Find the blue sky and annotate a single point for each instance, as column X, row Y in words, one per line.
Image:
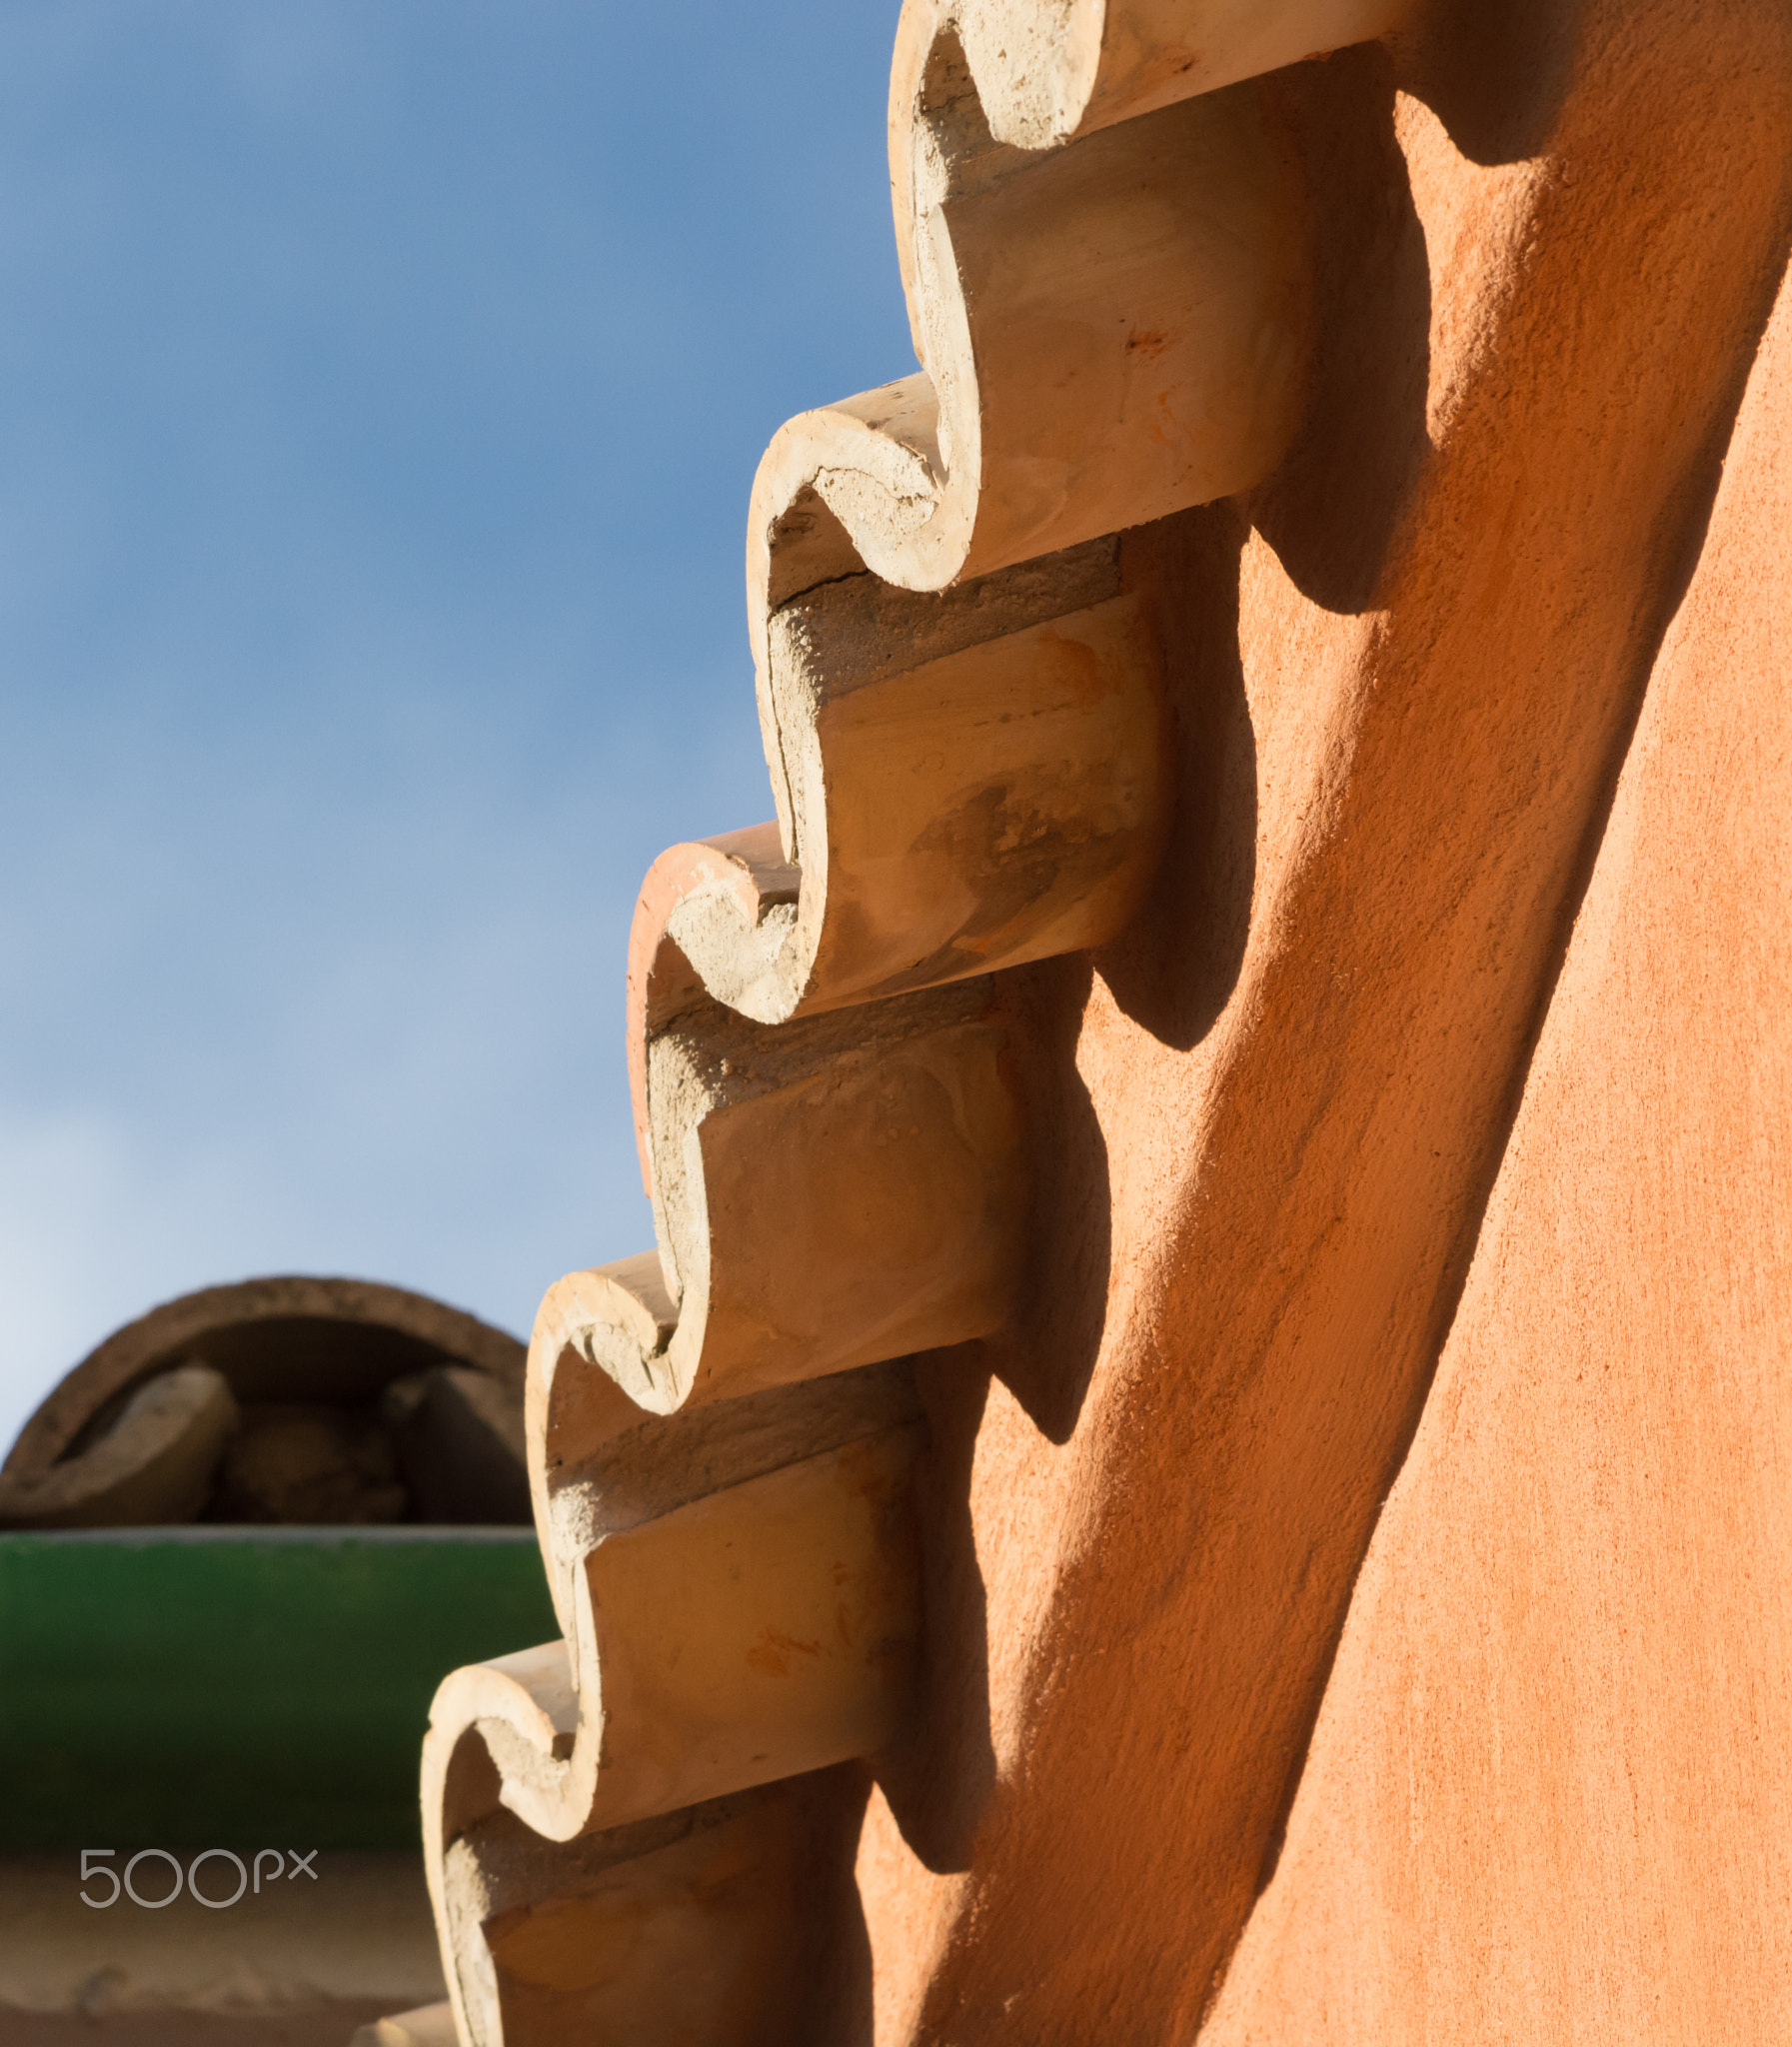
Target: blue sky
column 381, row 383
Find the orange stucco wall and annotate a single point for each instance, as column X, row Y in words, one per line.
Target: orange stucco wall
column 1456, row 1030
column 1547, row 1794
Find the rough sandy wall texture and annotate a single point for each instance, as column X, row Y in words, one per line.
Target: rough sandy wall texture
column 1408, row 673
column 1547, row 1795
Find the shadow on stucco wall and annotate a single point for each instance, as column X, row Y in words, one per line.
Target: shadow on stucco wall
column 1446, row 644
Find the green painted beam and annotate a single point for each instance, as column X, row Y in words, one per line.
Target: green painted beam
column 231, row 1686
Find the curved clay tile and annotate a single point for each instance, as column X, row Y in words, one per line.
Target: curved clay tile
column 1046, row 74
column 700, row 1927
column 963, row 782
column 286, row 1338
column 846, row 1188
column 757, row 1631
column 154, row 1462
column 963, row 701
column 1108, row 330
column 135, row 1432
column 739, row 1586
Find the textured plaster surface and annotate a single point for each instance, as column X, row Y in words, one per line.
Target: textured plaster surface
column 1547, row 1794
column 1409, row 673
